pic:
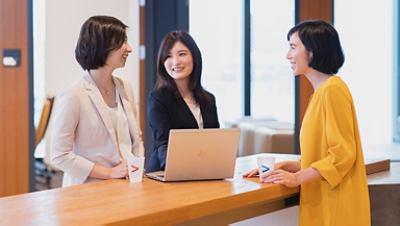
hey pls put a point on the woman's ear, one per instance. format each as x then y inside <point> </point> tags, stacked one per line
<point>310,56</point>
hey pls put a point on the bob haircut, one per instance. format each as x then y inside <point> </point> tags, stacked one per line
<point>164,80</point>
<point>322,40</point>
<point>99,36</point>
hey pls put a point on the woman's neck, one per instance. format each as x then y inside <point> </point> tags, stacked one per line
<point>316,78</point>
<point>183,88</point>
<point>102,77</point>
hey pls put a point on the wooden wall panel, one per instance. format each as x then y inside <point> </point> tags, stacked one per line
<point>316,9</point>
<point>312,9</point>
<point>307,10</point>
<point>14,100</point>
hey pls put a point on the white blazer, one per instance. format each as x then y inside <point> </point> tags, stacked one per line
<point>82,132</point>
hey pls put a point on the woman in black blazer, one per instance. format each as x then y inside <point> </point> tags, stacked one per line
<point>178,100</point>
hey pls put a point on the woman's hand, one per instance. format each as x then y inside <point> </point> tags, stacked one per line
<point>252,173</point>
<point>134,168</point>
<point>281,177</point>
<point>291,165</point>
<point>119,171</point>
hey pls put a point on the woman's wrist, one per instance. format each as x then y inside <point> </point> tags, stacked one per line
<point>308,174</point>
<point>299,177</point>
<point>101,172</point>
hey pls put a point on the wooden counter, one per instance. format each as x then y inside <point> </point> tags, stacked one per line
<point>116,202</point>
<point>384,193</point>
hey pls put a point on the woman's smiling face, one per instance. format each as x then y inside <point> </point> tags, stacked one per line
<point>298,56</point>
<point>179,62</point>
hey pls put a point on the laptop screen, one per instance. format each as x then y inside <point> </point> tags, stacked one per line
<point>201,154</point>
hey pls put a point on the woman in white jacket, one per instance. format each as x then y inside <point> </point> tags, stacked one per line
<point>95,125</point>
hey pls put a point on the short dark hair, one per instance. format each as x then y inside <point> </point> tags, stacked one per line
<point>320,38</point>
<point>99,36</point>
<point>164,80</point>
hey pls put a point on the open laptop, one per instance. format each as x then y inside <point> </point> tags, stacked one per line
<point>199,154</point>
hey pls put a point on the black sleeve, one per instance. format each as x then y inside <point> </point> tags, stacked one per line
<point>159,123</point>
<point>214,112</point>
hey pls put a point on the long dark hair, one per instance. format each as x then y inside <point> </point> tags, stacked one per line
<point>164,80</point>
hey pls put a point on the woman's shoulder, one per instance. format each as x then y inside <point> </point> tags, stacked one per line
<point>161,94</point>
<point>210,95</point>
<point>336,86</point>
<point>74,90</point>
<point>336,82</point>
<point>207,98</point>
<point>72,96</point>
<point>160,97</point>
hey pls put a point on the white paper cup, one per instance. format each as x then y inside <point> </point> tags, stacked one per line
<point>265,164</point>
<point>137,175</point>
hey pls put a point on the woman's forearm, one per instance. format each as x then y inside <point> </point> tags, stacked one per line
<point>290,166</point>
<point>100,172</point>
<point>308,174</point>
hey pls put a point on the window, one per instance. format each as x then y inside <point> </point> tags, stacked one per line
<point>217,30</point>
<point>272,82</point>
<point>367,42</point>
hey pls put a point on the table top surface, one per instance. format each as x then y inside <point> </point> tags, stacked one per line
<point>118,201</point>
<point>152,202</point>
<point>387,177</point>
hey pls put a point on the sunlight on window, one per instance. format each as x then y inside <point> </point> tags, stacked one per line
<point>367,37</point>
<point>272,84</point>
<point>217,29</point>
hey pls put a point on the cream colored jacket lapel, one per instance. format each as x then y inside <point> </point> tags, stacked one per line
<point>98,102</point>
<point>127,102</point>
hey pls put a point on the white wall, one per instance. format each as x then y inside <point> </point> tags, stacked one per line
<point>62,26</point>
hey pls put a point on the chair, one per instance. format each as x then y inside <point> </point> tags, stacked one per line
<point>40,131</point>
<point>274,140</point>
<point>264,135</point>
<point>248,126</point>
<point>43,172</point>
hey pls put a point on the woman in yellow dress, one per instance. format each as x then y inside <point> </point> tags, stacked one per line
<point>331,172</point>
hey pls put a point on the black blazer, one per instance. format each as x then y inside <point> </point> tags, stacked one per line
<point>166,111</point>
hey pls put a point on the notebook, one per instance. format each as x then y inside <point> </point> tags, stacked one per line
<point>199,154</point>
